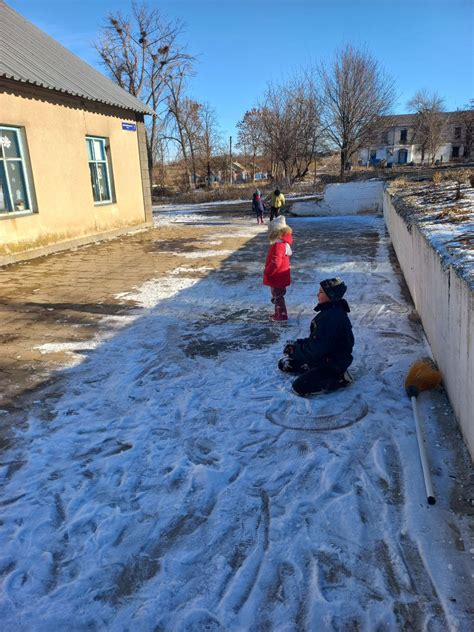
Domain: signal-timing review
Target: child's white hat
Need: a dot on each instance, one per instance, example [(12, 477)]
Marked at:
[(277, 223)]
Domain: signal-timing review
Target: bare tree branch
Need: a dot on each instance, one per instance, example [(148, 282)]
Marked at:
[(356, 93), (140, 52)]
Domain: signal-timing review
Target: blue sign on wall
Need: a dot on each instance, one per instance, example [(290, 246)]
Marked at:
[(129, 127)]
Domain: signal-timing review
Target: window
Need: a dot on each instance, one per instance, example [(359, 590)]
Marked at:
[(455, 153), (99, 169), (403, 135), (15, 193), (457, 132)]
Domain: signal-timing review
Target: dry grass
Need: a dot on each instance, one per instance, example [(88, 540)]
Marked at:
[(399, 182), (454, 214)]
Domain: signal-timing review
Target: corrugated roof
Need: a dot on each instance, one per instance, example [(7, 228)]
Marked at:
[(28, 54)]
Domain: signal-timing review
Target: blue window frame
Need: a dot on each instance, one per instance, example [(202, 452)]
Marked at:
[(99, 169), (15, 191)]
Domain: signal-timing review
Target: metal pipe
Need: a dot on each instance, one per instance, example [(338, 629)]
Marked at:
[(424, 461)]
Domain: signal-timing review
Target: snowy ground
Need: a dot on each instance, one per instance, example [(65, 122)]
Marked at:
[(446, 222), (173, 482)]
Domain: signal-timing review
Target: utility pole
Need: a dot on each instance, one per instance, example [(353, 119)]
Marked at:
[(230, 154)]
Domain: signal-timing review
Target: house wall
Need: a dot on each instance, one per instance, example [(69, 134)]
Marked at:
[(55, 128), (445, 304), (390, 152)]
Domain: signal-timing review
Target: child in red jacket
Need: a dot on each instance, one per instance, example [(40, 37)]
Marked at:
[(277, 265)]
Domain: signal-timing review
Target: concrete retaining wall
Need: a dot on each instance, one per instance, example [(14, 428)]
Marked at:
[(445, 304)]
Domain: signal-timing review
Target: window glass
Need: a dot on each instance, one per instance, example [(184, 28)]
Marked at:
[(99, 169), (103, 184), (4, 197), (99, 153), (16, 180), (9, 141), (90, 149), (94, 183), (14, 185)]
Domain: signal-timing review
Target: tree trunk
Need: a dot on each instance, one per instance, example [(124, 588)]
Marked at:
[(208, 173), (343, 165), (193, 162)]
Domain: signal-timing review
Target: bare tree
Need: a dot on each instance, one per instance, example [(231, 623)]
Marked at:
[(290, 127), (430, 123), (191, 122), (356, 93), (139, 52), (250, 135), (177, 120), (210, 141)]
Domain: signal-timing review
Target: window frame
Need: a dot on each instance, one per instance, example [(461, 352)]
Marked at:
[(105, 143), (404, 135), (24, 160)]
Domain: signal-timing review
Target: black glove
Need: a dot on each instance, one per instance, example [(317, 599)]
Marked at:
[(288, 348)]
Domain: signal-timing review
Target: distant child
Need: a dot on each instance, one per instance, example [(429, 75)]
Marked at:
[(278, 202), (258, 206), (322, 359), (277, 265)]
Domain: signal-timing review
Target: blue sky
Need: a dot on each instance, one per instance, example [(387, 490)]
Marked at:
[(243, 44)]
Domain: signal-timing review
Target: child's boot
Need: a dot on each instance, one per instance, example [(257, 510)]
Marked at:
[(279, 314)]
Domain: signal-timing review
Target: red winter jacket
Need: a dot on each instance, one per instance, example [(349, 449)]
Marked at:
[(277, 265)]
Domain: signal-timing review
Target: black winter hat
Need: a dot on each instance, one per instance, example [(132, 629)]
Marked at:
[(334, 288)]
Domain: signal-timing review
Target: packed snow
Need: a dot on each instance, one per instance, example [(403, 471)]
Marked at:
[(172, 481), (446, 221), (342, 199)]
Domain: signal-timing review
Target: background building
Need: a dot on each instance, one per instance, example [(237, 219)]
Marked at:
[(399, 142)]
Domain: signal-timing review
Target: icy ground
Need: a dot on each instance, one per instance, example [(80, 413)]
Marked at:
[(172, 481)]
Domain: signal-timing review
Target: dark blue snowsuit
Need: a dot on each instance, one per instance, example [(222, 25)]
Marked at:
[(323, 357)]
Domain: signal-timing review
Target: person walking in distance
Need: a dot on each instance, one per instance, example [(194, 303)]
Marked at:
[(277, 265), (258, 205), (322, 359), (277, 203)]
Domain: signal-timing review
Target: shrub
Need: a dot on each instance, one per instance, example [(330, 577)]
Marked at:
[(437, 177), (399, 182)]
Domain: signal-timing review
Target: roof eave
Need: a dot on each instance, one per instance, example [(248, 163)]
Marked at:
[(145, 110)]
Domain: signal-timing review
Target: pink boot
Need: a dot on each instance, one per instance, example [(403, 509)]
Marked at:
[(280, 314)]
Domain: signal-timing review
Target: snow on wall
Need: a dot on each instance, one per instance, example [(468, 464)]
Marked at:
[(445, 304), (347, 198)]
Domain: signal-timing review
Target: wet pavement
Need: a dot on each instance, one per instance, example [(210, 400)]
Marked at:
[(64, 299)]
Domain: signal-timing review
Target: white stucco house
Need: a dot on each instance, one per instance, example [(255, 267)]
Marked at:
[(397, 143)]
